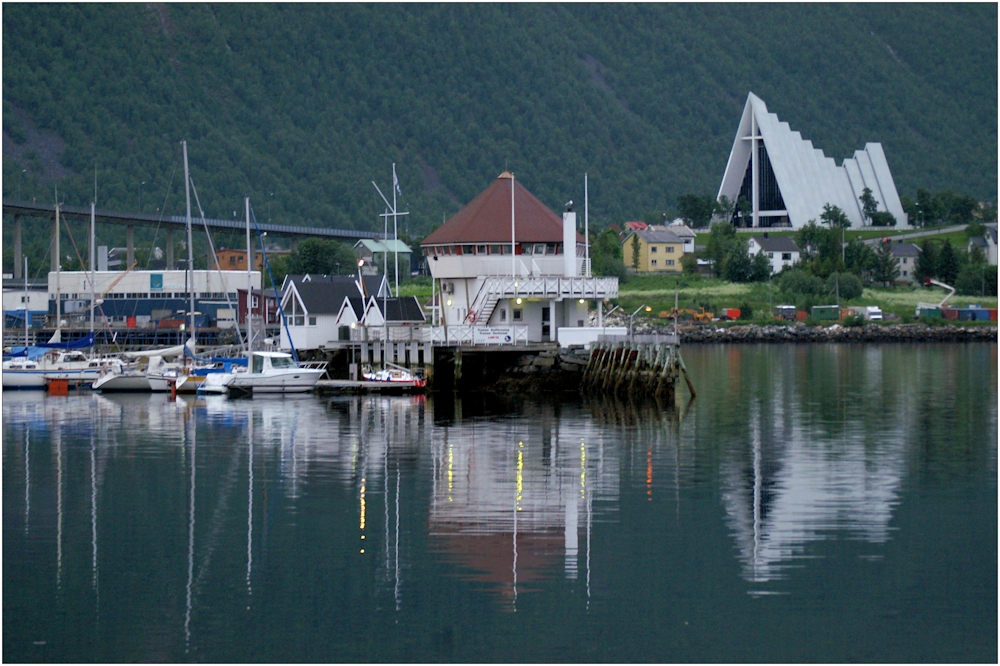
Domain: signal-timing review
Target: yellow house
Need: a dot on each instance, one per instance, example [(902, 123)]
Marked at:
[(659, 251), (236, 260)]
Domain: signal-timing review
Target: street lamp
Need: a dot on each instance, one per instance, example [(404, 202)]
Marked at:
[(632, 317)]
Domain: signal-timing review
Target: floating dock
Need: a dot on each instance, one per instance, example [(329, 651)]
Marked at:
[(327, 386)]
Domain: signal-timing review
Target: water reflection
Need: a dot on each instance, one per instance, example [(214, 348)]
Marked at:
[(512, 495), (174, 530)]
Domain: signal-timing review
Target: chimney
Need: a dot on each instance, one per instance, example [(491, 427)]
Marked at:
[(569, 243)]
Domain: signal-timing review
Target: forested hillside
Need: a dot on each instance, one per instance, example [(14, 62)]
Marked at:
[(301, 106)]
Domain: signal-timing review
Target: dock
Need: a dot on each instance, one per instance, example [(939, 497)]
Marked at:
[(331, 386)]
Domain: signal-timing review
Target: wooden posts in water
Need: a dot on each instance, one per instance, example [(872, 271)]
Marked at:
[(628, 368)]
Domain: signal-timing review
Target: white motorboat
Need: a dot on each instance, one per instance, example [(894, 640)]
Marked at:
[(274, 372), (395, 376), (73, 366)]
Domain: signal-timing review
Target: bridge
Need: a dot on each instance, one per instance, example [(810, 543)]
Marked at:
[(21, 209)]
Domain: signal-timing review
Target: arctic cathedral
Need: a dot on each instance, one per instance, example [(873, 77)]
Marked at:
[(788, 181)]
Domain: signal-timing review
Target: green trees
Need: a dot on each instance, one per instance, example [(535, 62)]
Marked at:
[(834, 217), (886, 268), (926, 262), (948, 264), (606, 255), (869, 206), (301, 101), (822, 245), (696, 209), (720, 243), (944, 207), (321, 256), (847, 285)]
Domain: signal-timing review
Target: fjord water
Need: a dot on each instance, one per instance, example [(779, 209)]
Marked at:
[(814, 503)]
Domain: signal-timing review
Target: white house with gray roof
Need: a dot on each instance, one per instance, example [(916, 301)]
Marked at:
[(318, 307), (987, 243), (906, 257), (781, 251)]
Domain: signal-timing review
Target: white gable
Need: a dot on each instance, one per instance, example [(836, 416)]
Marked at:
[(804, 178)]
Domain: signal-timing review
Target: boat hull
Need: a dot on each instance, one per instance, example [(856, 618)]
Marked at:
[(294, 381), (133, 382)]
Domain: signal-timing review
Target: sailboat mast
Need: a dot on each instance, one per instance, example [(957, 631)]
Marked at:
[(58, 281), (26, 301), (395, 232), (190, 248), (93, 236), (249, 278)]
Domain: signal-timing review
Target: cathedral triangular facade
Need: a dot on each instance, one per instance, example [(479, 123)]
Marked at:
[(787, 181)]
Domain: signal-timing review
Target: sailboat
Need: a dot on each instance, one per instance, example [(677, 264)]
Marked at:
[(57, 360), (266, 371)]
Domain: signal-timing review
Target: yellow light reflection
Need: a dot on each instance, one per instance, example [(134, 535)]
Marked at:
[(520, 474), (583, 469), (451, 469)]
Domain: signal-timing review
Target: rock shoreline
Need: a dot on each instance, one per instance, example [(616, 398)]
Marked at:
[(836, 333)]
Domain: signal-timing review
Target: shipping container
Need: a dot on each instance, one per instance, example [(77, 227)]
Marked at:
[(826, 312), (993, 314), (731, 313), (929, 312), (950, 314), (801, 315), (982, 314)]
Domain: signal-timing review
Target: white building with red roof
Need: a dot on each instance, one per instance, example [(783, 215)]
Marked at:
[(501, 263)]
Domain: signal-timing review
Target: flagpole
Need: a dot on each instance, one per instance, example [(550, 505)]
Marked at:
[(586, 224), (513, 265)]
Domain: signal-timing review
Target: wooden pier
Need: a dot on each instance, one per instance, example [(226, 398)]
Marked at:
[(635, 368)]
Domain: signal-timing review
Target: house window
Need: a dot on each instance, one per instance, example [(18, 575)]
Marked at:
[(654, 249), (518, 315), (786, 256), (669, 262), (255, 302), (468, 249), (670, 248), (653, 262), (312, 321), (904, 273), (232, 259), (503, 315)]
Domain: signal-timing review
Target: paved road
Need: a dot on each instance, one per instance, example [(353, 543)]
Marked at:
[(920, 234)]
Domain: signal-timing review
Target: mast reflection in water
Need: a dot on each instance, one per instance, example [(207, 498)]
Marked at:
[(832, 503)]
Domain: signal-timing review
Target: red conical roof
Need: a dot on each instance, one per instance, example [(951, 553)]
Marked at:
[(486, 219)]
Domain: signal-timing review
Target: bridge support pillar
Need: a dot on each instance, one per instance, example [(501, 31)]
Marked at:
[(18, 259), (170, 250), (130, 244)]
